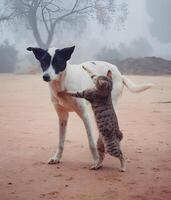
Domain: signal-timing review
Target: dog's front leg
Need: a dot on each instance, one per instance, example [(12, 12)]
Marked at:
[(63, 119), (87, 123)]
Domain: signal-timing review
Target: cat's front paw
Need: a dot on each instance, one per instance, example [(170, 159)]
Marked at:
[(61, 93)]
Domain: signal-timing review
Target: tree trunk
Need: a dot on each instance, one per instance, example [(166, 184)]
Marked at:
[(50, 35), (33, 23)]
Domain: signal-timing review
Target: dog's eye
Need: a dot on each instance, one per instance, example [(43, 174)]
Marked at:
[(44, 65), (45, 62), (56, 61), (55, 64)]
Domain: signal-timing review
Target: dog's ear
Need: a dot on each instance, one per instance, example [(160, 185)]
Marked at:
[(38, 52), (66, 52), (109, 74)]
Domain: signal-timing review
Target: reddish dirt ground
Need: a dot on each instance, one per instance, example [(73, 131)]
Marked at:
[(29, 136)]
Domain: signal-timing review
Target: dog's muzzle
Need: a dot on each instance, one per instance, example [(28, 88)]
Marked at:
[(46, 77)]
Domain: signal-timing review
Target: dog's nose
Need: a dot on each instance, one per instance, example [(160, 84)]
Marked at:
[(46, 77)]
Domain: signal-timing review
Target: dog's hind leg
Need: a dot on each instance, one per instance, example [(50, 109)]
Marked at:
[(63, 119), (87, 123)]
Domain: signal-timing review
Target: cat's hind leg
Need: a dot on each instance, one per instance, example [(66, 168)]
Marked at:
[(122, 161), (114, 150)]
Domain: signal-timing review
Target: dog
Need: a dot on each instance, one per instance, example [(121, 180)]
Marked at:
[(61, 75)]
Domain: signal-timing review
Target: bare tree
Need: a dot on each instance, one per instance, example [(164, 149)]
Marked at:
[(48, 13)]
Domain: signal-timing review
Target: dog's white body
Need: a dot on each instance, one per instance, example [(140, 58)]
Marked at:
[(74, 78)]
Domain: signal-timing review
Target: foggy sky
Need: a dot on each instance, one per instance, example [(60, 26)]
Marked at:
[(147, 19), (160, 19)]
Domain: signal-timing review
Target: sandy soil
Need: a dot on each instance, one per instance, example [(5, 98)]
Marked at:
[(29, 135)]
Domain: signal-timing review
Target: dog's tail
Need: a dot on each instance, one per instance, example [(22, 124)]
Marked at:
[(134, 87)]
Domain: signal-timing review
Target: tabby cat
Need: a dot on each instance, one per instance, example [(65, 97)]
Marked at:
[(106, 119)]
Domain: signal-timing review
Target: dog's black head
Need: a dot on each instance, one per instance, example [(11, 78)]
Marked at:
[(53, 61)]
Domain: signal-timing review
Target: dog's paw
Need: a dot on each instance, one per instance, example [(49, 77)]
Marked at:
[(123, 169), (96, 166), (54, 161)]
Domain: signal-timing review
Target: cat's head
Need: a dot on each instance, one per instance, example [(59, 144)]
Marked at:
[(104, 83)]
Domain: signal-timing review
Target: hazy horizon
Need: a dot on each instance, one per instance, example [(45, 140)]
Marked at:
[(145, 33)]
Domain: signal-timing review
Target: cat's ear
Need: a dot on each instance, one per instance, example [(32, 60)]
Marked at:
[(109, 74)]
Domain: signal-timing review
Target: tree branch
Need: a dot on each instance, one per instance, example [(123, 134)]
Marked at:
[(44, 20), (72, 12), (50, 12)]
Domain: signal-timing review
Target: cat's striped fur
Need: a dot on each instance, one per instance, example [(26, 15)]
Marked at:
[(106, 119)]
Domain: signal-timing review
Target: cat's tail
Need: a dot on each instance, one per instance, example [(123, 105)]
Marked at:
[(136, 88)]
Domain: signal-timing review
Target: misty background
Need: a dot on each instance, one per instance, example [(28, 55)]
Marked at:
[(119, 31)]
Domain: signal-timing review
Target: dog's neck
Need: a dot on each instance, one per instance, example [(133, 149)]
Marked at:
[(57, 85)]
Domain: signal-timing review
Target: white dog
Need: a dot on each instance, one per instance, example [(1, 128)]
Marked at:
[(62, 76)]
